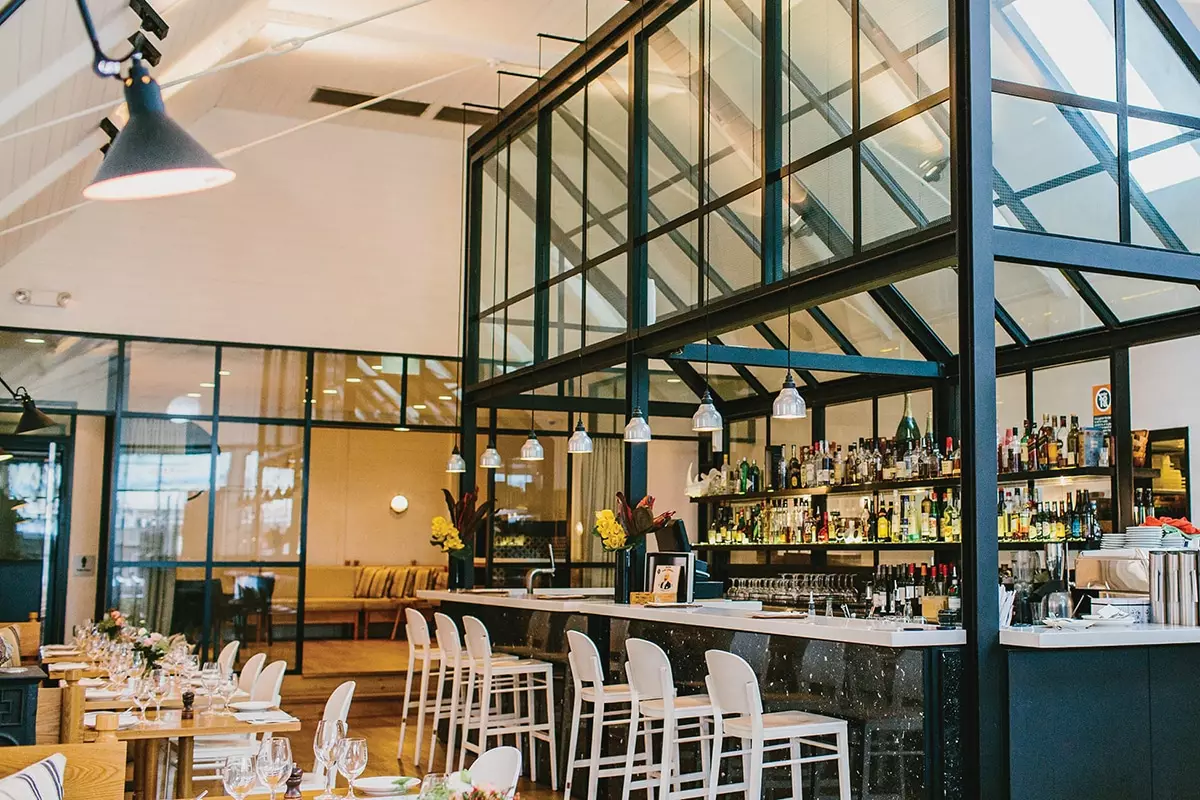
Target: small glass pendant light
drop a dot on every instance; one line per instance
(491, 457)
(579, 442)
(456, 463)
(707, 419)
(789, 404)
(532, 449)
(638, 430)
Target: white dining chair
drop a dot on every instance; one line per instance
(269, 682)
(337, 707)
(421, 650)
(228, 656)
(250, 672)
(608, 703)
(498, 769)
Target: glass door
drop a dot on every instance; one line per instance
(33, 531)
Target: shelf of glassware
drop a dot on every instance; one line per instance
(1006, 545)
(1064, 474)
(853, 490)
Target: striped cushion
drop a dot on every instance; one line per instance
(40, 781)
(380, 582)
(420, 580)
(401, 582)
(365, 578)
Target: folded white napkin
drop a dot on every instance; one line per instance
(1110, 612)
(259, 717)
(92, 682)
(66, 665)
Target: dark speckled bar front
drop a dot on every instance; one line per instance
(901, 704)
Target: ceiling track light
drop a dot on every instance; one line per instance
(707, 419)
(152, 156)
(32, 419)
(580, 442)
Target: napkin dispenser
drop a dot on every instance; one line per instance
(1114, 571)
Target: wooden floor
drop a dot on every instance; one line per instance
(378, 721)
(352, 658)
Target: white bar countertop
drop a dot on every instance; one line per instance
(727, 614)
(1129, 636)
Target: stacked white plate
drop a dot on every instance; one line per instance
(1174, 541)
(1112, 541)
(1143, 536)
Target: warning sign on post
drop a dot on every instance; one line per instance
(1102, 407)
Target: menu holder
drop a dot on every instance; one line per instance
(671, 577)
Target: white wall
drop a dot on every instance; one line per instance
(87, 493)
(1166, 382)
(336, 236)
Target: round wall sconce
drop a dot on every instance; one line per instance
(399, 504)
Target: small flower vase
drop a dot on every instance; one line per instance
(462, 573)
(621, 577)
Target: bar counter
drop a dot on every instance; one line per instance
(897, 689)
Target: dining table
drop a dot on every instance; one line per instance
(146, 739)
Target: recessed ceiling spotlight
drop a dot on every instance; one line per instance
(420, 406)
(194, 394)
(674, 380)
(34, 340)
(401, 429)
(444, 397)
(208, 385)
(330, 391)
(224, 372)
(377, 367)
(353, 380)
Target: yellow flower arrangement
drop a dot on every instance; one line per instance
(445, 536)
(610, 530)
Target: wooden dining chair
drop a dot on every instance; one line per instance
(93, 771)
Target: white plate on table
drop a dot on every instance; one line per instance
(380, 785)
(92, 683)
(125, 720)
(252, 705)
(105, 694)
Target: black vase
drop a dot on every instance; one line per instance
(621, 578)
(462, 573)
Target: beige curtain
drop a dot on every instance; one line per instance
(597, 478)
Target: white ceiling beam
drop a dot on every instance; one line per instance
(47, 175)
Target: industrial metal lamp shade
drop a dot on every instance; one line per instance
(579, 442)
(532, 449)
(707, 419)
(5, 455)
(456, 463)
(32, 419)
(789, 404)
(491, 457)
(153, 156)
(638, 430)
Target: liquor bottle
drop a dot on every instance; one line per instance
(928, 528)
(1073, 436)
(1148, 507)
(1014, 455)
(824, 465)
(1048, 443)
(1026, 451)
(1060, 434)
(954, 601)
(883, 530)
(793, 471)
(823, 530)
(810, 467)
(904, 532)
(1002, 534)
(743, 476)
(953, 517)
(908, 435)
(754, 480)
(1138, 514)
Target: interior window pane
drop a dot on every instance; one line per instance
(904, 54)
(522, 197)
(432, 391)
(162, 491)
(607, 153)
(518, 337)
(492, 220)
(531, 499)
(1065, 45)
(845, 422)
(934, 296)
(249, 599)
(176, 379)
(566, 309)
(606, 298)
(666, 386)
(733, 245)
(735, 95)
(674, 112)
(1055, 168)
(262, 382)
(1164, 164)
(869, 329)
(906, 176)
(491, 345)
(891, 409)
(818, 213)
(1010, 402)
(1002, 337)
(1041, 300)
(566, 185)
(673, 263)
(260, 488)
(1157, 76)
(816, 75)
(1131, 298)
(356, 387)
(61, 370)
(166, 599)
(807, 335)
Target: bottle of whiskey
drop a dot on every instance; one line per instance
(1073, 436)
(793, 471)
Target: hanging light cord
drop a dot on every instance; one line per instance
(462, 264)
(790, 180)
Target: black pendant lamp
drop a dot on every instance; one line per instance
(153, 156)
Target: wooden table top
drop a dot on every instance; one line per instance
(202, 724)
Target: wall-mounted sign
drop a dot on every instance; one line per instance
(1102, 407)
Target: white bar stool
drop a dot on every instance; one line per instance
(655, 700)
(419, 648)
(733, 687)
(486, 674)
(587, 673)
(457, 663)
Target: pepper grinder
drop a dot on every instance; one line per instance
(293, 782)
(188, 697)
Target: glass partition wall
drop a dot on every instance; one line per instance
(217, 456)
(977, 204)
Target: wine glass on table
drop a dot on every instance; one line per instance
(352, 760)
(274, 763)
(226, 689)
(160, 687)
(239, 776)
(326, 743)
(210, 676)
(143, 695)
